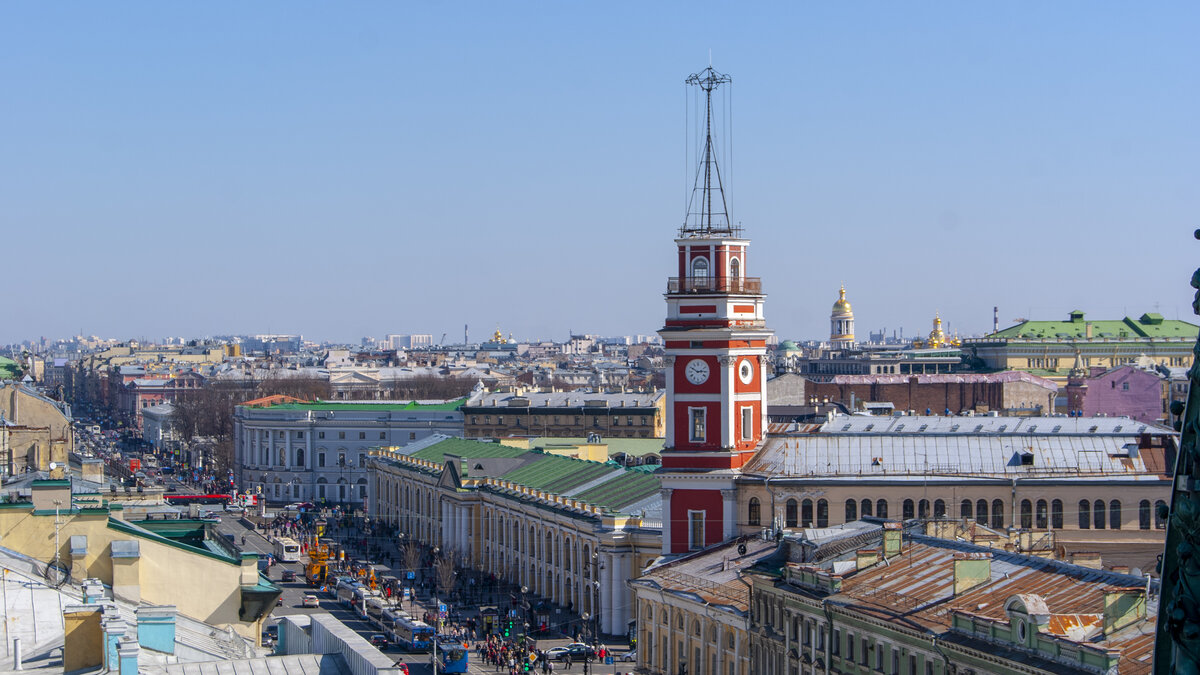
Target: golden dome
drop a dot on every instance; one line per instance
(842, 306)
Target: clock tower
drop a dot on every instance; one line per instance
(715, 341)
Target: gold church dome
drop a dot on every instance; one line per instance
(842, 306)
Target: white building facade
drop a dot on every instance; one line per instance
(295, 451)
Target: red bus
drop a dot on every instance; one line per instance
(197, 499)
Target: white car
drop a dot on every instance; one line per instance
(630, 655)
(311, 600)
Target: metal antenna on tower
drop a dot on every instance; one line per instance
(701, 217)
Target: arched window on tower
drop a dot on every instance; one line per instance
(700, 271)
(735, 269)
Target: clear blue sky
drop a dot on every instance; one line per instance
(350, 169)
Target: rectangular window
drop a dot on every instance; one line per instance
(362, 435)
(342, 434)
(382, 435)
(320, 434)
(474, 419)
(698, 426)
(321, 491)
(747, 423)
(320, 459)
(695, 529)
(837, 641)
(412, 435)
(299, 434)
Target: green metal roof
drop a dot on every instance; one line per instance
(1150, 325)
(467, 449)
(9, 369)
(351, 405)
(632, 487)
(558, 475)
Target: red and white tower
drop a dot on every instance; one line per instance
(715, 339)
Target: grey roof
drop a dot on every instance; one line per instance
(292, 664)
(932, 448)
(986, 424)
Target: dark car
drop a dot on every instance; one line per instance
(288, 575)
(379, 640)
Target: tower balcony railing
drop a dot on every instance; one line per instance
(714, 285)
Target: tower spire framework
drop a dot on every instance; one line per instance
(708, 210)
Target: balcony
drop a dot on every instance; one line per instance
(751, 285)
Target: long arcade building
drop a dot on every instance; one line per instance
(572, 531)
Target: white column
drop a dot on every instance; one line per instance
(666, 520)
(621, 574)
(729, 514)
(607, 599)
(728, 407)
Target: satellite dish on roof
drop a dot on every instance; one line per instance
(53, 465)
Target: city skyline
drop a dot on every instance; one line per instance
(376, 169)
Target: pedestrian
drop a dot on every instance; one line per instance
(567, 661)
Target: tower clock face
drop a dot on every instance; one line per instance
(746, 372)
(696, 371)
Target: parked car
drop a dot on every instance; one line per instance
(577, 650)
(630, 655)
(310, 600)
(379, 640)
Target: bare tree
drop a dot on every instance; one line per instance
(411, 555)
(446, 574)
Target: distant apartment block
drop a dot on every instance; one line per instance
(414, 341)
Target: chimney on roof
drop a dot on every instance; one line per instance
(971, 570)
(892, 539)
(1123, 606)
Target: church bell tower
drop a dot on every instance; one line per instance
(715, 339)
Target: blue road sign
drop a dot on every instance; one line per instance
(608, 660)
(410, 575)
(442, 607)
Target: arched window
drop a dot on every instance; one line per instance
(881, 508)
(923, 509)
(754, 517)
(1160, 515)
(1026, 514)
(700, 268)
(1114, 514)
(806, 513)
(300, 457)
(997, 513)
(1144, 514)
(790, 517)
(866, 508)
(851, 510)
(822, 513)
(1041, 519)
(981, 512)
(907, 510)
(735, 269)
(1098, 514)
(939, 508)
(1056, 514)
(1085, 514)
(965, 510)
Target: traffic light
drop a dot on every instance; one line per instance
(507, 627)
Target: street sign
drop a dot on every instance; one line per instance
(442, 607)
(608, 660)
(410, 575)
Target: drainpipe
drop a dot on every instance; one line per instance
(829, 632)
(767, 483)
(1013, 510)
